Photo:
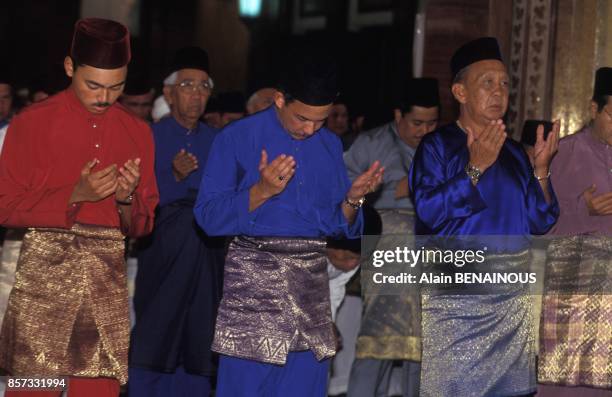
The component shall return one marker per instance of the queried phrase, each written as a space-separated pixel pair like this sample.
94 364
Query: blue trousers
301 376
148 383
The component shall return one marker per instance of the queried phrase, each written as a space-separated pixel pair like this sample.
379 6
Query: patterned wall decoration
580 48
532 35
516 66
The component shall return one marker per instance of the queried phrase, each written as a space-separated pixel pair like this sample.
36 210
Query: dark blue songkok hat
191 57
232 102
5 75
137 84
481 49
310 77
603 82
213 105
420 92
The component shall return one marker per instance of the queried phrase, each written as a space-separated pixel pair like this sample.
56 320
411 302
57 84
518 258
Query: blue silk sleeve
222 207
439 198
540 214
339 226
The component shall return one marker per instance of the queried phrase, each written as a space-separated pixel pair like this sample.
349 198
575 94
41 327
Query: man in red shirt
77 169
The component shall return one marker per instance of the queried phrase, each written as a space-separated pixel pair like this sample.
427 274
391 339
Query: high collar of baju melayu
178 128
280 130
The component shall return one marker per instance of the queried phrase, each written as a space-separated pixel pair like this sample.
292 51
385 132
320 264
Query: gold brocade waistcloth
391 324
68 311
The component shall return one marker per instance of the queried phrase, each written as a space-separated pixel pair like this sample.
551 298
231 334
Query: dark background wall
35 36
246 53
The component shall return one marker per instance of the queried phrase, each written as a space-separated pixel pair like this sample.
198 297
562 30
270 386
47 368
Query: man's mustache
102 104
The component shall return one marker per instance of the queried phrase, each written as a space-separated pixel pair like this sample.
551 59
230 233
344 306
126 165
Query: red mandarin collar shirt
46 147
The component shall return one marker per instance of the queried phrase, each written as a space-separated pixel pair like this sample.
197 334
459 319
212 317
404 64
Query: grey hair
460 77
171 79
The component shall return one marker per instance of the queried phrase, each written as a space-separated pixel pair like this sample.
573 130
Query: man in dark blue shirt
178 285
468 179
277 180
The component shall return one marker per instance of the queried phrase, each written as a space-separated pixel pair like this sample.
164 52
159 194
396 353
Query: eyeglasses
190 86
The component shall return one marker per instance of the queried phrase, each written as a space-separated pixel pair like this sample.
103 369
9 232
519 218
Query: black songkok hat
603 82
232 102
311 78
40 84
372 226
342 99
5 75
101 43
474 51
530 129
420 92
213 105
55 80
191 58
136 84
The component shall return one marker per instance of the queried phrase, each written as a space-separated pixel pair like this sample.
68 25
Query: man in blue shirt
178 285
467 179
276 180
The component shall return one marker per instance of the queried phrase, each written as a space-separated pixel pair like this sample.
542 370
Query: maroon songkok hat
100 43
